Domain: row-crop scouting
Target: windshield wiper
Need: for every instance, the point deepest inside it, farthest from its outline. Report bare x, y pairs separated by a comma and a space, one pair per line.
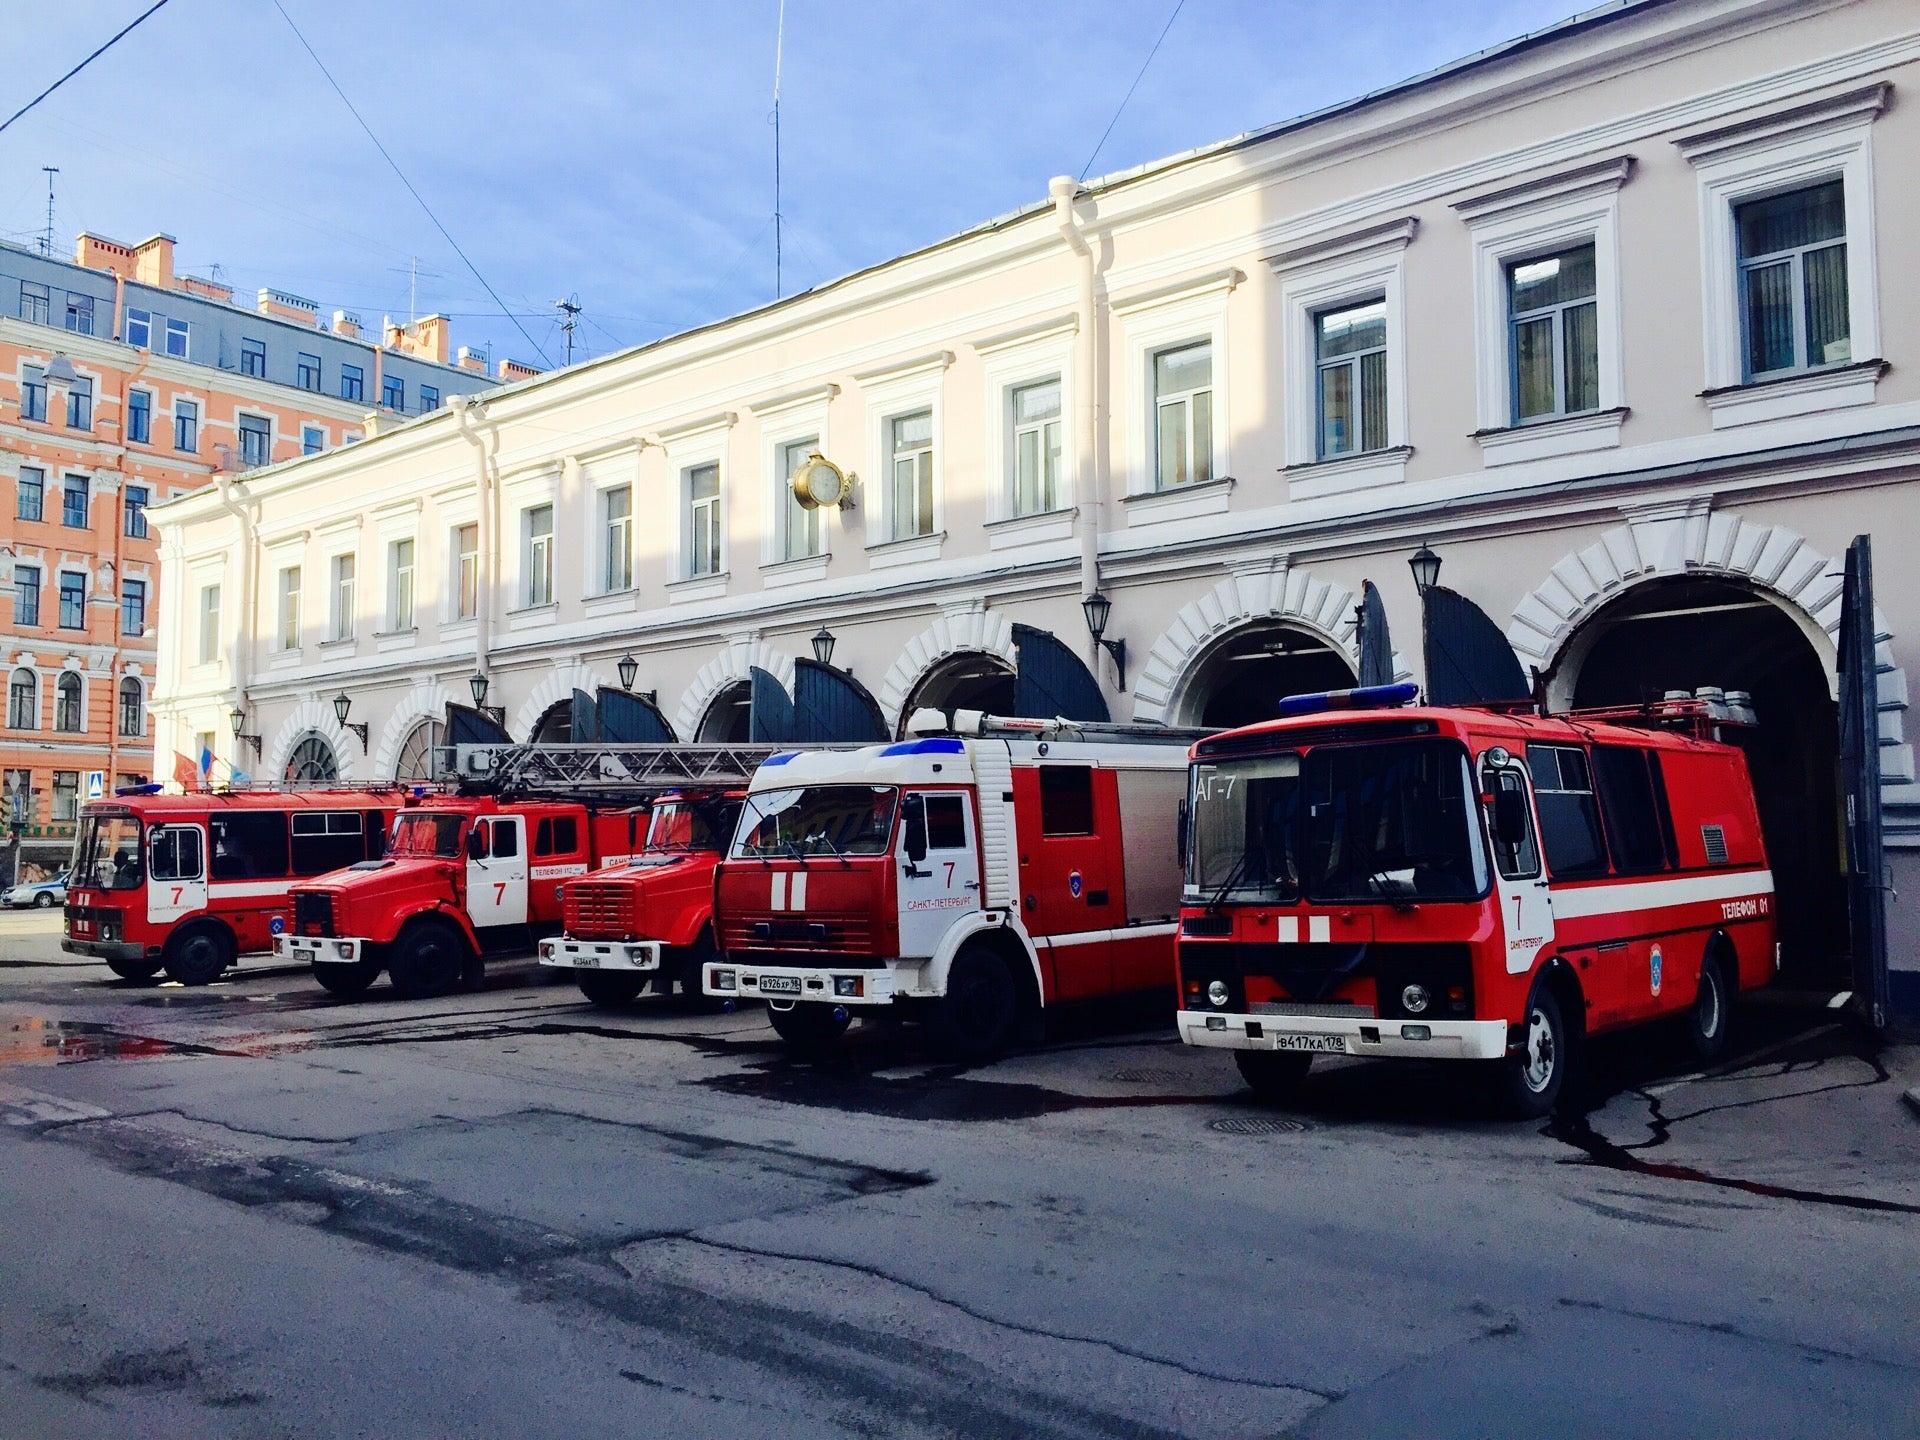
1390, 891
1219, 896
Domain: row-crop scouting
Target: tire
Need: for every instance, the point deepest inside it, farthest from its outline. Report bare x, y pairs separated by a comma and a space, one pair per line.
980, 1011
1531, 1082
429, 958
809, 1028
135, 969
43, 901
1274, 1076
1709, 1019
688, 966
611, 991
199, 956
347, 980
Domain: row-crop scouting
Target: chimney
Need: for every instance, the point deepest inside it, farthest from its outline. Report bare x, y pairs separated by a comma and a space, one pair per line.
286, 306
517, 370
346, 323
96, 252
205, 289
153, 261
425, 339
471, 359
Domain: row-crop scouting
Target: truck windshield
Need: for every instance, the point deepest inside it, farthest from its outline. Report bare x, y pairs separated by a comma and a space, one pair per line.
816, 820
679, 825
1386, 822
106, 856
420, 834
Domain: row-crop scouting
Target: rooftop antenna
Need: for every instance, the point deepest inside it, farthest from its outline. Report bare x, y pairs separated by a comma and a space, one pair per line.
569, 307
46, 239
779, 50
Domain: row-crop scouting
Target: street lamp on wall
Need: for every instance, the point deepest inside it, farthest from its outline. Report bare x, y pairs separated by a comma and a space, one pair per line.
478, 685
1099, 609
342, 703
629, 668
1426, 569
238, 717
823, 641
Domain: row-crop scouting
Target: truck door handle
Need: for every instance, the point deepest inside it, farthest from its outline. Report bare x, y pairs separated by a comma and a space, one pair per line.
971, 885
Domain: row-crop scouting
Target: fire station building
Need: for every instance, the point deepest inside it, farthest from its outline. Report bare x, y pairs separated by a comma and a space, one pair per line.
1613, 320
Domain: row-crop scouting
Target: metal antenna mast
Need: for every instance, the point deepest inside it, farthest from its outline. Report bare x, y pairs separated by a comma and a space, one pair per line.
779, 48
569, 307
46, 240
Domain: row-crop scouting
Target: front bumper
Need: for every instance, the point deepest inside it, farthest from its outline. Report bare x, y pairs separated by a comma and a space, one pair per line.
831, 984
321, 950
106, 949
566, 953
1321, 1034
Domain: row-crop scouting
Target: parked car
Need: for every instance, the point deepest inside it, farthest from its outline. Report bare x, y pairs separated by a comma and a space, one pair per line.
37, 894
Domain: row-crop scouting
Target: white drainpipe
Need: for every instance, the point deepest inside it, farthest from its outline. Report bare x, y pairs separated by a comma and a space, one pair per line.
1089, 484
468, 414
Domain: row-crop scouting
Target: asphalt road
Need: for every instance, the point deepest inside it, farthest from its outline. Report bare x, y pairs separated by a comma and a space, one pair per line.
252, 1210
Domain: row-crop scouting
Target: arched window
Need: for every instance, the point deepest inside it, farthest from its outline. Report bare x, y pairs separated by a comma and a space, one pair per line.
67, 711
23, 700
312, 762
133, 707
416, 760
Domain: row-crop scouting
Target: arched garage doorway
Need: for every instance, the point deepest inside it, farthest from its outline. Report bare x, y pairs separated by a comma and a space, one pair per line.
966, 680
728, 717
1684, 633
1241, 678
555, 725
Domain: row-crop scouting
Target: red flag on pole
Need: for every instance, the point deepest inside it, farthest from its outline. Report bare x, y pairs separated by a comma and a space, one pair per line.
185, 773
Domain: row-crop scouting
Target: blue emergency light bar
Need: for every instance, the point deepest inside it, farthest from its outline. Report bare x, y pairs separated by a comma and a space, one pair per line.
152, 788
1366, 697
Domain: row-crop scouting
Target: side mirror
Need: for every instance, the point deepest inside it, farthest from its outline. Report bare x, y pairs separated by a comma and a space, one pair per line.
1510, 818
1180, 833
477, 843
915, 836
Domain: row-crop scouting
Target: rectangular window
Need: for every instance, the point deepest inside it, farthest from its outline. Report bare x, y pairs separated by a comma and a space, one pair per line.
80, 404
80, 313
186, 426
429, 399
66, 796
306, 372
174, 851
400, 585
177, 331
538, 549
256, 440
616, 532
73, 601
36, 303
466, 571
140, 328
912, 493
1569, 812
75, 493
1183, 415
799, 527
133, 607
248, 845
1036, 447
139, 417
556, 835
30, 499
26, 595
946, 822
1793, 280
703, 520
1633, 800
340, 621
1066, 800
253, 358
327, 840
209, 624
393, 392
1554, 334
352, 383
289, 637
313, 439
503, 839
1350, 350
33, 393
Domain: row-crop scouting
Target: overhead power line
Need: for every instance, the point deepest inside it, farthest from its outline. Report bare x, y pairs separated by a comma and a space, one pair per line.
394, 165
1178, 6
110, 43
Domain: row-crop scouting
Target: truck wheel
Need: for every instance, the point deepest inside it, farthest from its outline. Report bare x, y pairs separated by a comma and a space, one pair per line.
198, 956
689, 967
808, 1027
347, 980
977, 1015
1708, 1022
611, 991
1273, 1075
428, 959
1531, 1081
134, 969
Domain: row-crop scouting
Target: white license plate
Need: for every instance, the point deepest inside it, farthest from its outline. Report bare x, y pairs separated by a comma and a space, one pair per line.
1312, 1044
586, 962
779, 984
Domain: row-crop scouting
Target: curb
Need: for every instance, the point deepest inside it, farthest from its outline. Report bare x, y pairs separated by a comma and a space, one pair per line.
1912, 1097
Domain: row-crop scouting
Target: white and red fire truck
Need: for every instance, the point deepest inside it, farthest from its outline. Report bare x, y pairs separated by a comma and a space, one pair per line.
965, 879
649, 916
187, 883
1369, 877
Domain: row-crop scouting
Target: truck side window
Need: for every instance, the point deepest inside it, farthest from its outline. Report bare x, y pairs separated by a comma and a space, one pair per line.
556, 836
326, 840
1066, 800
1636, 828
1569, 813
503, 839
1517, 855
946, 822
248, 845
175, 854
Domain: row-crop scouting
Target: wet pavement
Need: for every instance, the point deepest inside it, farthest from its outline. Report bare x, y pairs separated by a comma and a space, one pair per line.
254, 1210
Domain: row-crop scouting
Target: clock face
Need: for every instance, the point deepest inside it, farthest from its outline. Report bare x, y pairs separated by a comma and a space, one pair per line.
818, 483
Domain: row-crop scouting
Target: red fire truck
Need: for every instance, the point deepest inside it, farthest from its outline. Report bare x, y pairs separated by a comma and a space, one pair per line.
1369, 877
964, 879
188, 882
649, 916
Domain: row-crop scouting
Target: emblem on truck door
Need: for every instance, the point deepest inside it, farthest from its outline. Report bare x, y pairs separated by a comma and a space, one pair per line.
1074, 883
1654, 966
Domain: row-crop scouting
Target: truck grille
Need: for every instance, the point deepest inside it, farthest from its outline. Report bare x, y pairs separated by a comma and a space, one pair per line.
845, 934
312, 913
599, 910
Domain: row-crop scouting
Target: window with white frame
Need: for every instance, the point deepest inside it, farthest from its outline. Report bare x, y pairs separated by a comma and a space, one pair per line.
69, 710
139, 328
703, 520
1553, 334
466, 570
177, 333
911, 474
1183, 415
209, 616
340, 598
801, 529
616, 539
536, 527
1793, 280
1350, 359
289, 630
400, 585
1034, 421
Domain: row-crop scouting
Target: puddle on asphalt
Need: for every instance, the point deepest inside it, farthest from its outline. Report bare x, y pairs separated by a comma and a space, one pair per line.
72, 1042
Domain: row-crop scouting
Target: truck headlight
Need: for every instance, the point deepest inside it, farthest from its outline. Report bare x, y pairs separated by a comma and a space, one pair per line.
343, 950
1414, 999
1218, 993
723, 980
849, 986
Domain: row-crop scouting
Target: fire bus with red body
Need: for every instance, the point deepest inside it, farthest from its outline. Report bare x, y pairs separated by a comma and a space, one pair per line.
187, 883
1469, 884
463, 877
649, 916
965, 880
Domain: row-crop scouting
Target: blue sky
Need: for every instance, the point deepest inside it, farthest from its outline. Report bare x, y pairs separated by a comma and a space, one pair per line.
621, 152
